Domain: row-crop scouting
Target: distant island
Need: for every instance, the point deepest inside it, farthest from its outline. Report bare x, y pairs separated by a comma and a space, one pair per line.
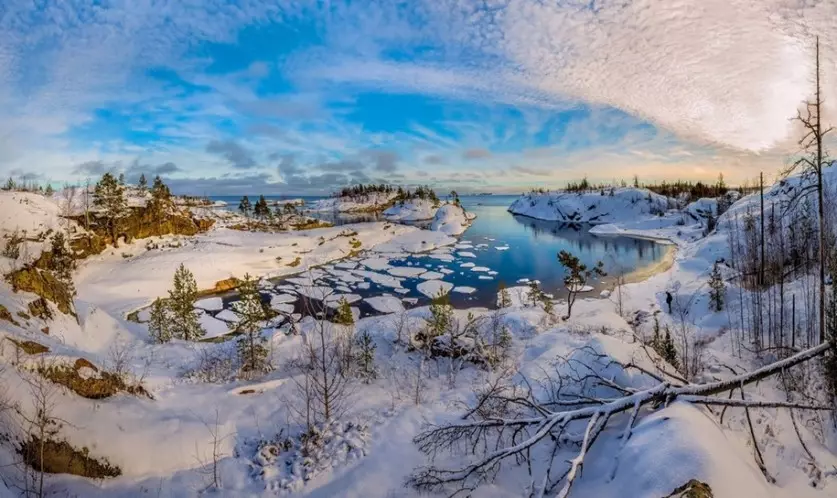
484, 193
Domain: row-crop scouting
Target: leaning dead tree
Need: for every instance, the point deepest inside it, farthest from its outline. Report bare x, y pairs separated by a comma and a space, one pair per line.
510, 423
813, 160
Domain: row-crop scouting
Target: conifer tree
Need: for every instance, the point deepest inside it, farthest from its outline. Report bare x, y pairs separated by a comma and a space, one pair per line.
61, 261
184, 320
244, 206
261, 210
344, 318
49, 191
158, 322
441, 316
503, 297
122, 179
143, 183
365, 357
577, 277
10, 184
109, 197
343, 315
716, 288
669, 352
252, 351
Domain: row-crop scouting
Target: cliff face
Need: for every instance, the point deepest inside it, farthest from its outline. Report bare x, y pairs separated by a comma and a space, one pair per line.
37, 277
141, 223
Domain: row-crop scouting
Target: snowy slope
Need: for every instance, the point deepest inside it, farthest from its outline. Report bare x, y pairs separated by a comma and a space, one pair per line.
591, 207
412, 210
369, 202
451, 219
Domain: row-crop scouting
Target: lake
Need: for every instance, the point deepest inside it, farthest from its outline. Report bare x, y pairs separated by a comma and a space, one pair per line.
510, 249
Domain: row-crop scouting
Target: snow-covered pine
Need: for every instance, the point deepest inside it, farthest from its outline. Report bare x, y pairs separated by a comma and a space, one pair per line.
181, 303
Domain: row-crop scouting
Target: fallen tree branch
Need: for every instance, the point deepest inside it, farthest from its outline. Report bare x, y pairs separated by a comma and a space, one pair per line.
528, 430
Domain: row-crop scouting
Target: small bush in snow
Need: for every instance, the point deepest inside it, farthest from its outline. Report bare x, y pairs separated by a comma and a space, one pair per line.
365, 357
286, 464
12, 248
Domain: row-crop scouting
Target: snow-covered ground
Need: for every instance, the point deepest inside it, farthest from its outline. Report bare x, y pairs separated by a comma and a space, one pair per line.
373, 201
164, 445
606, 206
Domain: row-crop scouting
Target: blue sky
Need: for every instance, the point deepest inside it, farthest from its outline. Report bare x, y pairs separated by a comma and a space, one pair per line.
301, 97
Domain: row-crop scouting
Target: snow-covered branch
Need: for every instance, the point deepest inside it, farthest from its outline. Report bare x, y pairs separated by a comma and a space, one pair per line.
494, 439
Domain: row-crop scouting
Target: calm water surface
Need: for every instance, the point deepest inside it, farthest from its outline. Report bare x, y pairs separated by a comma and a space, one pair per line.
532, 249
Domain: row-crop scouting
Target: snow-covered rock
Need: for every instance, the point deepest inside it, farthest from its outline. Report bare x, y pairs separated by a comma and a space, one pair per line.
451, 219
373, 201
412, 210
626, 204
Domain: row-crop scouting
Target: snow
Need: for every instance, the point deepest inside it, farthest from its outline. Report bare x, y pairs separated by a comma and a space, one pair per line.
282, 298
412, 210
431, 275
375, 263
385, 304
480, 268
451, 219
210, 304
213, 326
369, 202
432, 288
379, 278
406, 271
467, 265
157, 443
466, 254
227, 316
626, 204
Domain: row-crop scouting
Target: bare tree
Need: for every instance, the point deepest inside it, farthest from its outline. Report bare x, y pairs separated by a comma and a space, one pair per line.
211, 468
813, 161
508, 422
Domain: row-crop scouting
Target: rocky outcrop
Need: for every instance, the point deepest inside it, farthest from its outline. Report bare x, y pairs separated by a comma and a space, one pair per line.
44, 284
142, 222
692, 489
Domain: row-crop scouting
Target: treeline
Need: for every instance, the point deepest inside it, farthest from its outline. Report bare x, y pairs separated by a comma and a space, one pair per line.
694, 190
422, 192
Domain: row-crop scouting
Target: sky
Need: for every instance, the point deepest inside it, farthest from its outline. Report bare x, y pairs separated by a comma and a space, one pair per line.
301, 97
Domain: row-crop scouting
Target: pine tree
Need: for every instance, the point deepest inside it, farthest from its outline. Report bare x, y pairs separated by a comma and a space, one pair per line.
261, 210
49, 191
716, 288
143, 183
577, 277
10, 184
343, 315
109, 197
122, 179
184, 320
503, 297
61, 261
244, 206
669, 352
441, 316
365, 357
158, 322
252, 351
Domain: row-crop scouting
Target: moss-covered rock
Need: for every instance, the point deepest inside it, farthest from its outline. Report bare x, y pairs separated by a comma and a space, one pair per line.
40, 308
225, 285
6, 315
44, 284
60, 457
95, 384
141, 223
29, 347
692, 489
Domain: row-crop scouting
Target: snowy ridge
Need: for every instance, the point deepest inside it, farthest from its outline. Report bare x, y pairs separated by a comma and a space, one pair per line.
605, 206
373, 201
